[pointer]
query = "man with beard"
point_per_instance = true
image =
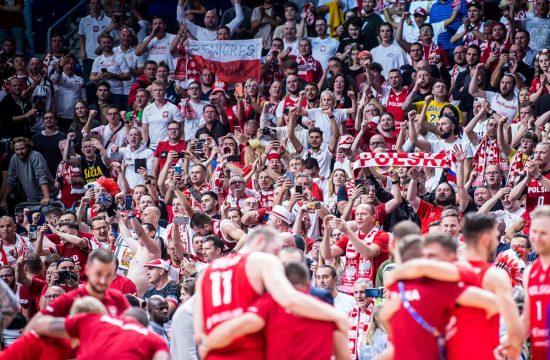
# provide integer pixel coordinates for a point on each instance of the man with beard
(211, 20)
(290, 99)
(29, 169)
(385, 128)
(159, 315)
(522, 39)
(393, 96)
(493, 47)
(435, 103)
(512, 63)
(323, 47)
(427, 212)
(512, 208)
(100, 271)
(462, 80)
(503, 103)
(209, 205)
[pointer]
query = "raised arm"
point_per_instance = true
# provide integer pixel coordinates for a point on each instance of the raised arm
(474, 89)
(412, 192)
(73, 239)
(327, 251)
(394, 203)
(149, 243)
(423, 144)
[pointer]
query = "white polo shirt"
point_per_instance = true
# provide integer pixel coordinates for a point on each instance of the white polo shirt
(90, 28)
(323, 49)
(68, 90)
(158, 120)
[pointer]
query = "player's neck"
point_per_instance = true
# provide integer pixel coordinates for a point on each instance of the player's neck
(545, 260)
(475, 254)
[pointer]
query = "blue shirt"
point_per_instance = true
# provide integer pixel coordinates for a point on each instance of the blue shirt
(442, 11)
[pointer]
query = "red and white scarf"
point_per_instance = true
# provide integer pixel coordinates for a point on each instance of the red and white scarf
(306, 68)
(516, 168)
(359, 323)
(487, 153)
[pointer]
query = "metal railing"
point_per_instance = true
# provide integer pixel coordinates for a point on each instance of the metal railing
(63, 19)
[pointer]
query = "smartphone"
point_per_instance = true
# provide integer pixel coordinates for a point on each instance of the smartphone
(314, 205)
(359, 182)
(181, 220)
(374, 293)
(239, 89)
(505, 51)
(140, 163)
(299, 189)
(33, 232)
(177, 169)
(200, 146)
(238, 129)
(114, 229)
(181, 155)
(104, 70)
(234, 158)
(95, 135)
(128, 202)
(266, 218)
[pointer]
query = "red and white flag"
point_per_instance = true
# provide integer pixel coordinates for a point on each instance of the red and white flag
(232, 61)
(370, 159)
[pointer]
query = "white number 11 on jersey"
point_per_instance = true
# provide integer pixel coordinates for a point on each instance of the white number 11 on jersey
(221, 282)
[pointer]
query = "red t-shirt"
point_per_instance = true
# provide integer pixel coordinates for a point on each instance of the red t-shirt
(79, 255)
(31, 346)
(470, 325)
(428, 213)
(164, 147)
(115, 302)
(227, 293)
(434, 301)
(124, 285)
(292, 337)
(106, 337)
(539, 299)
(391, 142)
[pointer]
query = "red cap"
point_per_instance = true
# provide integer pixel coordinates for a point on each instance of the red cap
(158, 263)
(220, 86)
(421, 11)
(273, 155)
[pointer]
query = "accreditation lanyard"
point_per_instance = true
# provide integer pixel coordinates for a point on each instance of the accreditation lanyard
(420, 321)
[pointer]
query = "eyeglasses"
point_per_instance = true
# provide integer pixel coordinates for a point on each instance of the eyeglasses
(236, 182)
(173, 129)
(492, 173)
(112, 114)
(376, 143)
(51, 297)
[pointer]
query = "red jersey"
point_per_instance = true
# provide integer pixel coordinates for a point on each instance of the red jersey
(106, 337)
(113, 300)
(227, 293)
(290, 337)
(124, 285)
(538, 291)
(434, 301)
(537, 195)
(357, 267)
(31, 346)
(428, 213)
(79, 255)
(164, 147)
(394, 104)
(391, 142)
(470, 325)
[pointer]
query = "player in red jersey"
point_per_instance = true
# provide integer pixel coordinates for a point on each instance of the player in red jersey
(412, 301)
(299, 338)
(536, 279)
(231, 284)
(100, 270)
(102, 336)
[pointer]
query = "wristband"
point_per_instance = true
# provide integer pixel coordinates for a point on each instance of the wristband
(131, 215)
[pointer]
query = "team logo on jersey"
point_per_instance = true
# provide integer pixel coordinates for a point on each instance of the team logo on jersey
(165, 114)
(95, 28)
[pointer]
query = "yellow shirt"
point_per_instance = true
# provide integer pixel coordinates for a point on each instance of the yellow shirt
(434, 109)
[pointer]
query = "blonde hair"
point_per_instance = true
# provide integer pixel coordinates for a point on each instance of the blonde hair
(331, 189)
(87, 304)
(374, 323)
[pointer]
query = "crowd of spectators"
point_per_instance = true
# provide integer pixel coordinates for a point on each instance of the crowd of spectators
(126, 150)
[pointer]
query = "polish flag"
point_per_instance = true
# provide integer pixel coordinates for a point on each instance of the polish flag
(232, 61)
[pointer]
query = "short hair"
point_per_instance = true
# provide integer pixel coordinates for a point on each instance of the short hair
(137, 314)
(542, 211)
(315, 130)
(160, 83)
(297, 274)
(258, 231)
(450, 213)
(210, 193)
(27, 141)
(405, 228)
(216, 241)
(475, 47)
(97, 218)
(2, 267)
(87, 304)
(476, 224)
(290, 4)
(447, 241)
(199, 220)
(105, 84)
(34, 264)
(410, 247)
(189, 285)
(151, 62)
(101, 255)
(311, 163)
(70, 225)
(296, 157)
(522, 236)
(54, 211)
(525, 32)
(51, 259)
(333, 272)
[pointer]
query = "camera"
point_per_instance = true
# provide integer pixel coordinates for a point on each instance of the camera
(65, 275)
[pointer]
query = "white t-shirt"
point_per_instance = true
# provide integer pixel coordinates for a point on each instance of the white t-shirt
(322, 121)
(133, 61)
(508, 217)
(391, 57)
(501, 105)
(411, 33)
(115, 64)
(265, 30)
(190, 126)
(323, 156)
(159, 49)
(443, 146)
(158, 120)
(539, 29)
(90, 28)
(68, 90)
(294, 45)
(301, 134)
(324, 49)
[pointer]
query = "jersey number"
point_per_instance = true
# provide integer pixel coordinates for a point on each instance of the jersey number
(540, 201)
(221, 283)
(538, 305)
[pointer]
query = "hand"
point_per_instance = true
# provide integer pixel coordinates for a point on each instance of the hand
(92, 114)
(189, 267)
(428, 99)
(294, 198)
(45, 201)
(503, 59)
(412, 115)
(514, 67)
(43, 230)
(35, 218)
(351, 94)
(114, 148)
(29, 114)
(71, 136)
(459, 153)
(504, 191)
(3, 205)
(479, 67)
(356, 192)
(532, 169)
(340, 30)
(414, 173)
(327, 220)
(465, 22)
(337, 223)
(53, 279)
(492, 58)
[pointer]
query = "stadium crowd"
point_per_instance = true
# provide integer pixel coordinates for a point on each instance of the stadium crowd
(378, 188)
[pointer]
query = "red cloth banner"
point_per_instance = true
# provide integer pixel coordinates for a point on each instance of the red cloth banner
(370, 159)
(232, 61)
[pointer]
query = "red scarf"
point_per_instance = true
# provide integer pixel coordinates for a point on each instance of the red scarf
(306, 68)
(516, 167)
(487, 153)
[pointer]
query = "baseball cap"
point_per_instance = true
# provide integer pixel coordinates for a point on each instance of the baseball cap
(345, 141)
(364, 53)
(421, 11)
(473, 3)
(220, 86)
(158, 263)
(281, 213)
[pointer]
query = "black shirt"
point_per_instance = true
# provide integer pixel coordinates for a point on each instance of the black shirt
(93, 170)
(10, 108)
(48, 146)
